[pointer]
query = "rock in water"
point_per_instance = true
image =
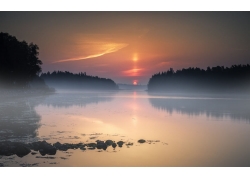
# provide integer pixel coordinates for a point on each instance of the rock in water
(22, 150)
(57, 145)
(120, 143)
(109, 142)
(35, 146)
(101, 145)
(46, 148)
(91, 146)
(129, 144)
(114, 145)
(141, 141)
(83, 148)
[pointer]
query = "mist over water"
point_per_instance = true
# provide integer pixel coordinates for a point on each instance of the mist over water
(68, 98)
(179, 130)
(18, 118)
(59, 107)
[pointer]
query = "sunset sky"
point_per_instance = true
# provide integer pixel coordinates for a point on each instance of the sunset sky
(130, 47)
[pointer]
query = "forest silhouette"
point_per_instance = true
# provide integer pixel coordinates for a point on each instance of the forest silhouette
(20, 68)
(19, 62)
(68, 80)
(219, 79)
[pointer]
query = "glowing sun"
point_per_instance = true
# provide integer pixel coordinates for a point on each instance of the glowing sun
(135, 57)
(134, 83)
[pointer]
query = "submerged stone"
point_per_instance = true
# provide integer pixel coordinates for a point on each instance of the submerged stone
(57, 145)
(129, 144)
(79, 145)
(114, 145)
(83, 148)
(66, 146)
(91, 148)
(101, 145)
(109, 142)
(22, 150)
(91, 144)
(43, 147)
(35, 146)
(8, 148)
(120, 143)
(141, 141)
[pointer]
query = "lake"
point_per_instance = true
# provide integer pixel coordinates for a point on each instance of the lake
(174, 130)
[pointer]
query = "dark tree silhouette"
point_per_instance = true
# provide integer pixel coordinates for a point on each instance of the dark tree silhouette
(234, 79)
(68, 80)
(19, 62)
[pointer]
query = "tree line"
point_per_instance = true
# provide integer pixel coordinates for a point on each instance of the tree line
(19, 62)
(20, 68)
(216, 79)
(68, 80)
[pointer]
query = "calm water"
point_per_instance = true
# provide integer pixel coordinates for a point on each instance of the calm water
(179, 131)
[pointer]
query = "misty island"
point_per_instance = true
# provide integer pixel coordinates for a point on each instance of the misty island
(67, 80)
(219, 79)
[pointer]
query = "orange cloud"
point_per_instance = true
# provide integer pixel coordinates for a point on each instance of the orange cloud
(133, 72)
(96, 49)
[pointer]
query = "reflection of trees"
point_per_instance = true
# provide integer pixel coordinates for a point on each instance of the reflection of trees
(18, 119)
(234, 108)
(78, 98)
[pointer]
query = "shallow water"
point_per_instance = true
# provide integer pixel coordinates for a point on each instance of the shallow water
(179, 130)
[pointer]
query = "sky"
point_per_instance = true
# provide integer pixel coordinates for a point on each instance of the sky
(131, 46)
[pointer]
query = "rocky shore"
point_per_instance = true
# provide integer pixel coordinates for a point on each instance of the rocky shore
(8, 148)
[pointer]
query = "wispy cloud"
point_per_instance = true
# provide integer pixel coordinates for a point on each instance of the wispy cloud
(96, 49)
(133, 72)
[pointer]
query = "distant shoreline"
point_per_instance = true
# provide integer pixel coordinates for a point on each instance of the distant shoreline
(200, 94)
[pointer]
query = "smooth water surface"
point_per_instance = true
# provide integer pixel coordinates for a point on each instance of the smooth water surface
(179, 130)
